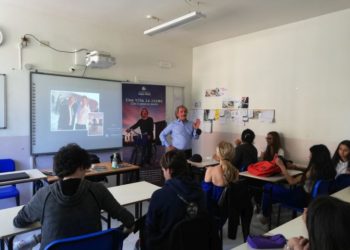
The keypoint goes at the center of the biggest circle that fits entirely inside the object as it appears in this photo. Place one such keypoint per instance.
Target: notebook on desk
(14, 176)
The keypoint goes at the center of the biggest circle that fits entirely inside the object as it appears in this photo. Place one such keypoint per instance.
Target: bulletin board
(2, 101)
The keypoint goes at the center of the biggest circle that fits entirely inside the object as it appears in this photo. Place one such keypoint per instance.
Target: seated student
(246, 152)
(166, 208)
(273, 146)
(219, 176)
(327, 221)
(320, 168)
(341, 158)
(72, 205)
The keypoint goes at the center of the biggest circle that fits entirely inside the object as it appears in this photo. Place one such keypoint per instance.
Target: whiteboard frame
(3, 106)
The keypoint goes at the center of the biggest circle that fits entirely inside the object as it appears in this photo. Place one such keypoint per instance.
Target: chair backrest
(321, 187)
(341, 182)
(106, 240)
(194, 233)
(7, 165)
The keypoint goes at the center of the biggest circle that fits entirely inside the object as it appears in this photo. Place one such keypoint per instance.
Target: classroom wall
(301, 70)
(137, 60)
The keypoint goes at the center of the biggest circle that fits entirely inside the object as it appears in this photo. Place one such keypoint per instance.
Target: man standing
(67, 112)
(146, 126)
(182, 132)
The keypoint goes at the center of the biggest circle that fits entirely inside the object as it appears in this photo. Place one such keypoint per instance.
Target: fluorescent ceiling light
(174, 23)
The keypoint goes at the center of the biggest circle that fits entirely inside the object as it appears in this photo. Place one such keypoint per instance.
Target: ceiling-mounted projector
(99, 59)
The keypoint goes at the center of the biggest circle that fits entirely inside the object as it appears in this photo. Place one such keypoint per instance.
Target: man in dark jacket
(71, 206)
(168, 204)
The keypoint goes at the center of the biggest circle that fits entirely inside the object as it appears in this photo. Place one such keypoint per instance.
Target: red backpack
(264, 168)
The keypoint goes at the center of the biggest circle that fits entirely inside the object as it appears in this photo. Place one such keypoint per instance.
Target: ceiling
(224, 18)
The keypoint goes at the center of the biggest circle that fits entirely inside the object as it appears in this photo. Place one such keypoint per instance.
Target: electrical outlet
(44, 43)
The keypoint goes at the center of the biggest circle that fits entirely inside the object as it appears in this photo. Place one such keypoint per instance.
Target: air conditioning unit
(99, 59)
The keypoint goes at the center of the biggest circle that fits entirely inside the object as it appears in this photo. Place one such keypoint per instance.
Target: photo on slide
(70, 110)
(95, 127)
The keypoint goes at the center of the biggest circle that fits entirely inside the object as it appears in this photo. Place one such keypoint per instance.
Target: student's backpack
(264, 168)
(191, 207)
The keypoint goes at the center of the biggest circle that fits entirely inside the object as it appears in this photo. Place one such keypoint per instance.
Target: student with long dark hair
(327, 221)
(320, 167)
(341, 158)
(245, 153)
(273, 146)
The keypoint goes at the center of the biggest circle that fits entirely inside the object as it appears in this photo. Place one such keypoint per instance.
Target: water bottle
(114, 161)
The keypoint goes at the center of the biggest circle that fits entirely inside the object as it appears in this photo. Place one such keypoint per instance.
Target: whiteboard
(2, 101)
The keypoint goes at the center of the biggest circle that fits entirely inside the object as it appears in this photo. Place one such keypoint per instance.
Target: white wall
(137, 58)
(301, 70)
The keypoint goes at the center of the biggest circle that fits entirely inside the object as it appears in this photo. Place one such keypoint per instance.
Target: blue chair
(8, 165)
(321, 187)
(110, 239)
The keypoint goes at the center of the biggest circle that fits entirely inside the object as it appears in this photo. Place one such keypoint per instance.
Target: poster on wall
(136, 99)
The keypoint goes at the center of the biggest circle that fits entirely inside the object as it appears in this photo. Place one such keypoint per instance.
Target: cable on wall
(47, 45)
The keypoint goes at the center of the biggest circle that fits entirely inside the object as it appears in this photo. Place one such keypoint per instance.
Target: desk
(296, 227)
(257, 182)
(7, 230)
(34, 176)
(198, 168)
(134, 193)
(125, 194)
(203, 164)
(126, 167)
(272, 179)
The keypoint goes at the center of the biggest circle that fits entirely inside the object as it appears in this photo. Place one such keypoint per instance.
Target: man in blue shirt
(182, 132)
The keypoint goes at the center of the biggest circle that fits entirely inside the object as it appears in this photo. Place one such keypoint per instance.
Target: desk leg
(138, 210)
(118, 179)
(109, 221)
(9, 242)
(137, 175)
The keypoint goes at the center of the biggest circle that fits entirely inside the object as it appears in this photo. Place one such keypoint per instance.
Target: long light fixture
(174, 23)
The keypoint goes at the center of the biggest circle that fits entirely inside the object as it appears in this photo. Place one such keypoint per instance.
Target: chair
(239, 208)
(194, 233)
(110, 239)
(8, 165)
(341, 182)
(321, 187)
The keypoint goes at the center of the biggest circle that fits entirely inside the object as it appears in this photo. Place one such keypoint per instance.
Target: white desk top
(34, 174)
(7, 228)
(274, 178)
(203, 164)
(133, 192)
(296, 227)
(125, 195)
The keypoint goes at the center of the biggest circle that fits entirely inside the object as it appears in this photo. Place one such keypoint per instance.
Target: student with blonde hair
(219, 176)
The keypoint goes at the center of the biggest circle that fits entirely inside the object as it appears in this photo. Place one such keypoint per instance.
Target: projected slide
(66, 109)
(71, 110)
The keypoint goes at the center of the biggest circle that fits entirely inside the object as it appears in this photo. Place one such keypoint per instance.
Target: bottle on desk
(115, 161)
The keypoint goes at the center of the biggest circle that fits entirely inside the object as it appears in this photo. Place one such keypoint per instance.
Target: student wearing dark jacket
(71, 206)
(166, 208)
(245, 153)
